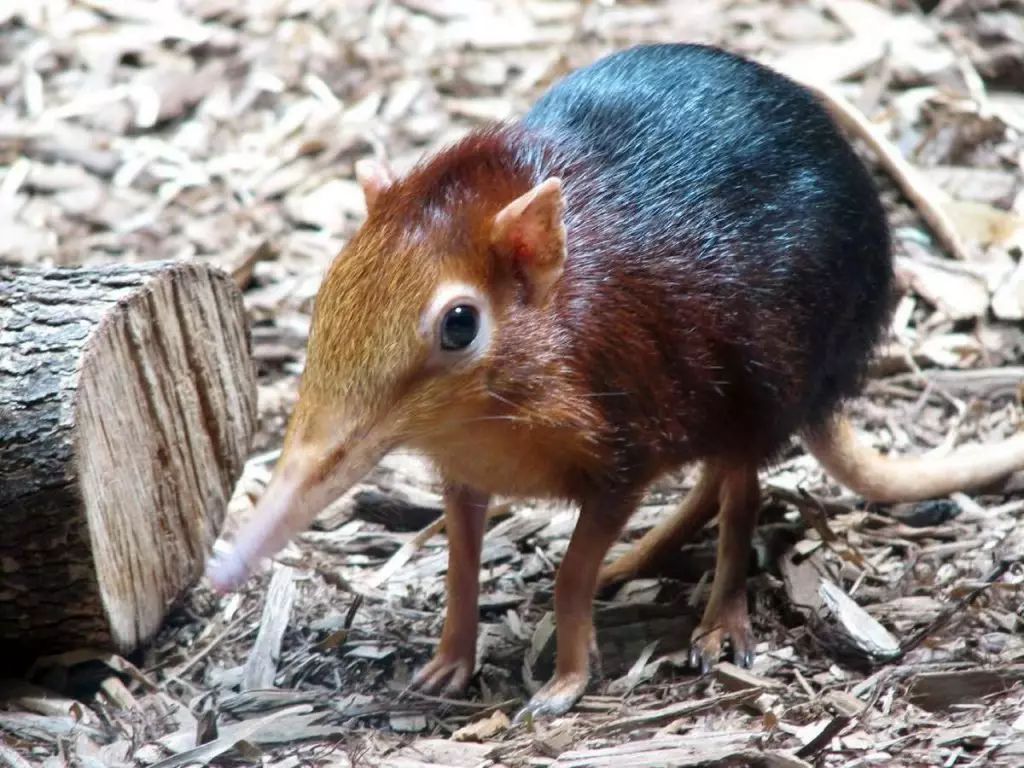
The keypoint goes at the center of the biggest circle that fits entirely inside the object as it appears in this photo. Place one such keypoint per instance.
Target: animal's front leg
(600, 523)
(465, 514)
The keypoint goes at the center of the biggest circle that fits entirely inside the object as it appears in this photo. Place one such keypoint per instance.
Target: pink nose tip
(225, 570)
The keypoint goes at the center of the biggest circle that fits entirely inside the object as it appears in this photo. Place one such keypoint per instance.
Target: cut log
(127, 406)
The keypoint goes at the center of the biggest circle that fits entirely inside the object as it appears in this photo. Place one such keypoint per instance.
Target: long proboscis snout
(304, 482)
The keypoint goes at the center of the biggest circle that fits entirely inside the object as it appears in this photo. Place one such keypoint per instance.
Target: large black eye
(459, 327)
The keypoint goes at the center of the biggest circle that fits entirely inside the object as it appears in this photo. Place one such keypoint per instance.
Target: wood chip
(10, 758)
(261, 666)
(291, 725)
(1008, 300)
(941, 690)
(738, 679)
(872, 637)
(663, 715)
(960, 295)
(700, 749)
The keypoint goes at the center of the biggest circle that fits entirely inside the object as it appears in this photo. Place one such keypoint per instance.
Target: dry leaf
(483, 729)
(985, 224)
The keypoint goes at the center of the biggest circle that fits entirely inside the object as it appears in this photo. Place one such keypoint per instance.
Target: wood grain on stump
(127, 403)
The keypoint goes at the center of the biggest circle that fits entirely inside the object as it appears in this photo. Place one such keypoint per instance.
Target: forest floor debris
(227, 132)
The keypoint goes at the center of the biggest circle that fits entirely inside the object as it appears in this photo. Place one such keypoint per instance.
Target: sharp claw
(696, 661)
(547, 707)
(708, 657)
(703, 654)
(524, 715)
(420, 680)
(556, 698)
(448, 677)
(706, 643)
(528, 715)
(456, 684)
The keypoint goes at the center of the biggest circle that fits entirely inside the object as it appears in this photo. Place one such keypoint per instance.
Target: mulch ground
(227, 132)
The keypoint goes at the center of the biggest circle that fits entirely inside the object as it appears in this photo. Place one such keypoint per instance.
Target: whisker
(502, 399)
(519, 406)
(534, 416)
(449, 426)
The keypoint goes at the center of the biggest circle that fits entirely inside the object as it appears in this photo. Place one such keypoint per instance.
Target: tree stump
(127, 406)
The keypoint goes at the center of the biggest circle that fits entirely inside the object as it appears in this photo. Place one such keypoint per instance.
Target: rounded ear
(375, 178)
(531, 231)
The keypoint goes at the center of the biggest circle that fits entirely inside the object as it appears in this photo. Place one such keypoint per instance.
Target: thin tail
(876, 477)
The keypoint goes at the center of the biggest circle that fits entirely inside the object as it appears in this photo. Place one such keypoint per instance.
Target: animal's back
(726, 248)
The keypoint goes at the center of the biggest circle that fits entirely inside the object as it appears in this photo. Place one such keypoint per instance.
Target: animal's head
(405, 329)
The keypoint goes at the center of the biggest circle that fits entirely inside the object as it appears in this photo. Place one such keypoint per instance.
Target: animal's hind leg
(726, 613)
(695, 511)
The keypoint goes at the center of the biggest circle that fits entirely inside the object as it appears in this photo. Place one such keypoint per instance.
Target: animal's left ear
(375, 178)
(530, 230)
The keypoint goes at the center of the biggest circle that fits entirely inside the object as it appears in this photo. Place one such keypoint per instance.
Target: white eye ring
(449, 319)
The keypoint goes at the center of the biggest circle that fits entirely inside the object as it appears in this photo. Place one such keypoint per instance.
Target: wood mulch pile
(224, 131)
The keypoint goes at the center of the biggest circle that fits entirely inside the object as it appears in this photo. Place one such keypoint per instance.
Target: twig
(811, 695)
(413, 545)
(350, 615)
(404, 554)
(883, 679)
(460, 703)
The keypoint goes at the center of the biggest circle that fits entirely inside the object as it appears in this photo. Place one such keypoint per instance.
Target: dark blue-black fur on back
(723, 192)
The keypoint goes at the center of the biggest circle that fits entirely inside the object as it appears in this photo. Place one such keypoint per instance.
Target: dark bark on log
(127, 403)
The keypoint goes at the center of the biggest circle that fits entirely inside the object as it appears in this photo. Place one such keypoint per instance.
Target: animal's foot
(447, 674)
(557, 697)
(707, 640)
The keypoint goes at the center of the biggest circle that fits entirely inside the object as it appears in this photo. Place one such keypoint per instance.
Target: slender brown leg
(599, 525)
(465, 514)
(695, 511)
(726, 613)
